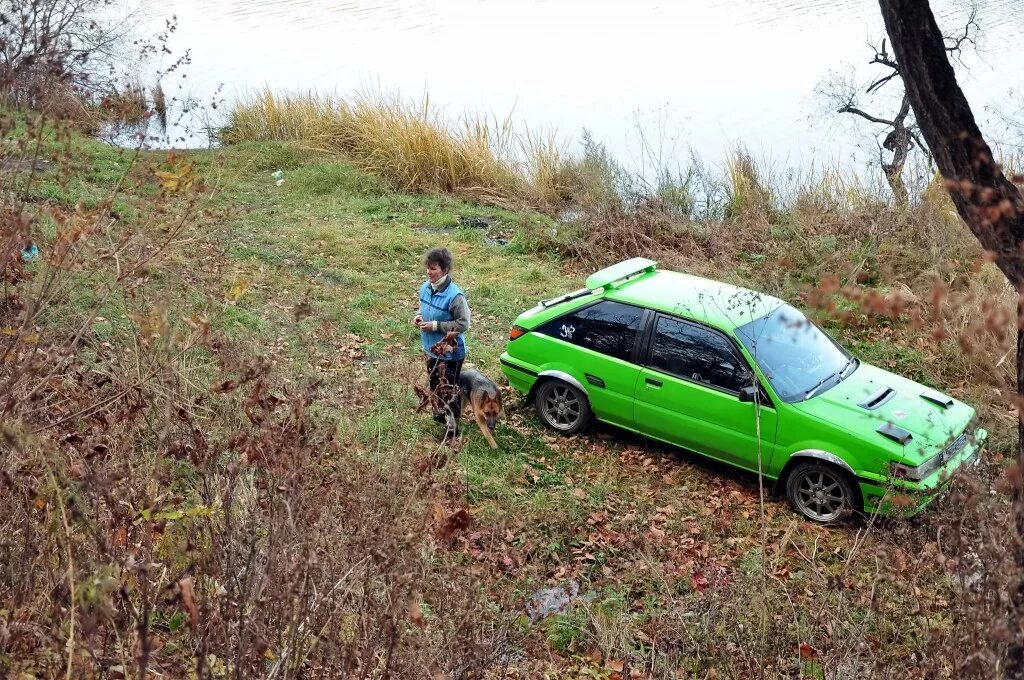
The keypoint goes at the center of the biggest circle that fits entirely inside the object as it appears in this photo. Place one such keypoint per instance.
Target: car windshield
(797, 357)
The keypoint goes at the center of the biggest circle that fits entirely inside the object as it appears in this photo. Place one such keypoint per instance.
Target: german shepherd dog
(481, 392)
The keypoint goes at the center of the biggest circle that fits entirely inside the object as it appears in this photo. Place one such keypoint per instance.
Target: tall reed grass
(411, 144)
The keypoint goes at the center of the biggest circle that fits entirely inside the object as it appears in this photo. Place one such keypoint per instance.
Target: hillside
(230, 454)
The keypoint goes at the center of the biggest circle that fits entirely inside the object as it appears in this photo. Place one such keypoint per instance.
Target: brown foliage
(150, 523)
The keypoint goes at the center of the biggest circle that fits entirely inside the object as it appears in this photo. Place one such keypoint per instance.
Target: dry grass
(320, 532)
(747, 193)
(170, 503)
(413, 146)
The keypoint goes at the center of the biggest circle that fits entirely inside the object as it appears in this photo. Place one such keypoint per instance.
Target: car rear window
(607, 327)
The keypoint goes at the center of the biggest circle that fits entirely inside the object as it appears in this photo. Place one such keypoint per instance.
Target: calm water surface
(703, 75)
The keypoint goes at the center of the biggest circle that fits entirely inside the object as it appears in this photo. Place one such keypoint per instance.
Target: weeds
(212, 464)
(169, 503)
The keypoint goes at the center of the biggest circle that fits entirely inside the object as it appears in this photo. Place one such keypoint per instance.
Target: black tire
(562, 407)
(821, 492)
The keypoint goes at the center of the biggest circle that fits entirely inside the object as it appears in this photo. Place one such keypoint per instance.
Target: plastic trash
(30, 253)
(277, 174)
(279, 182)
(548, 601)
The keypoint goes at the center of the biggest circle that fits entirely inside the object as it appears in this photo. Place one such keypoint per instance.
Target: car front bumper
(905, 498)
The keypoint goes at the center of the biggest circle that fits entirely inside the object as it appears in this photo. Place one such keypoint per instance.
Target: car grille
(955, 447)
(944, 456)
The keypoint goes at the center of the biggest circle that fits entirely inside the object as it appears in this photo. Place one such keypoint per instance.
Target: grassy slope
(650, 533)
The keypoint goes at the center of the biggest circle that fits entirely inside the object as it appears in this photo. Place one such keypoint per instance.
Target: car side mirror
(748, 393)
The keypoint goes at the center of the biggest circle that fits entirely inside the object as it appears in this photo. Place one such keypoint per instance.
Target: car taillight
(516, 332)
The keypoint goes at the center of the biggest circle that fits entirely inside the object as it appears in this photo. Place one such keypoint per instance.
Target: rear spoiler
(565, 298)
(609, 277)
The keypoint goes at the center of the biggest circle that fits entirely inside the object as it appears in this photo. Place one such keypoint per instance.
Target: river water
(703, 75)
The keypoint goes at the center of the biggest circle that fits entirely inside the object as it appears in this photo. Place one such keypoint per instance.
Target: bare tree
(899, 132)
(990, 204)
(1011, 117)
(49, 48)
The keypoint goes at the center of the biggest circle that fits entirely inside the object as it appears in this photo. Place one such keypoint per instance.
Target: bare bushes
(167, 503)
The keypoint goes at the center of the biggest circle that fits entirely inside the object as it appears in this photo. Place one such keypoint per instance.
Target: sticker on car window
(567, 331)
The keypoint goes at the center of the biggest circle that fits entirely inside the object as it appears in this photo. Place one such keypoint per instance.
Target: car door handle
(652, 383)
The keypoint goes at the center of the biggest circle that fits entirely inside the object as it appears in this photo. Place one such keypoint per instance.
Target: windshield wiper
(810, 393)
(841, 373)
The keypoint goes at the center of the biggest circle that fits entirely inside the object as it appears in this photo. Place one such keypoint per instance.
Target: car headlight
(919, 472)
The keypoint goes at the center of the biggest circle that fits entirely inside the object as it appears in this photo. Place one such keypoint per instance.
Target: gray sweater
(459, 310)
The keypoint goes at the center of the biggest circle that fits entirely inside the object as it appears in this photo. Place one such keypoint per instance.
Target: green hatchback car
(743, 378)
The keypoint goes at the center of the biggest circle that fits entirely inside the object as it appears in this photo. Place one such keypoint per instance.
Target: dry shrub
(127, 104)
(155, 519)
(747, 193)
(602, 235)
(973, 541)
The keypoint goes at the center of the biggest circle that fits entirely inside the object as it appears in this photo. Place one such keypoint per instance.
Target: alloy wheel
(820, 495)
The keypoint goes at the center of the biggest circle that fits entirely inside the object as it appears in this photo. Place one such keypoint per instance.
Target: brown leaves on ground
(186, 595)
(808, 652)
(447, 525)
(415, 611)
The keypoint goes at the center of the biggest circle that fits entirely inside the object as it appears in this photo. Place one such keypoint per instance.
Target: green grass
(588, 508)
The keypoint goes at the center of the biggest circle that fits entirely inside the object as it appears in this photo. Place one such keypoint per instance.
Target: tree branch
(863, 114)
(954, 44)
(881, 81)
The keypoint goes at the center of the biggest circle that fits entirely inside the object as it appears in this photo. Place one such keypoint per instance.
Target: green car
(745, 379)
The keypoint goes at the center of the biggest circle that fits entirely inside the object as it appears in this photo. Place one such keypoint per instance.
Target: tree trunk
(898, 141)
(894, 175)
(991, 206)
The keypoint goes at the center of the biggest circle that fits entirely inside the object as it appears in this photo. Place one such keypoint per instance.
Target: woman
(443, 310)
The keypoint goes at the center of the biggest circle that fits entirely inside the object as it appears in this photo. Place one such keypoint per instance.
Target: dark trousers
(443, 378)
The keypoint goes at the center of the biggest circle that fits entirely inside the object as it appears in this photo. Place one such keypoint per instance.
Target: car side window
(607, 327)
(697, 354)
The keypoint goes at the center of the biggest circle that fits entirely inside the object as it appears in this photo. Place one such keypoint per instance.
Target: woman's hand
(426, 325)
(417, 320)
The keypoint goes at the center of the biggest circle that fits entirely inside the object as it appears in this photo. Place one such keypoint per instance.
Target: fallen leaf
(416, 612)
(226, 386)
(455, 522)
(237, 291)
(188, 601)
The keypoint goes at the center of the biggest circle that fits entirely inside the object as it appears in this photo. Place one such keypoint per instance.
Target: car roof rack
(617, 274)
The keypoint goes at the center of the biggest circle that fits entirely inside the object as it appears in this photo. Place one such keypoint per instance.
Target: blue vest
(434, 307)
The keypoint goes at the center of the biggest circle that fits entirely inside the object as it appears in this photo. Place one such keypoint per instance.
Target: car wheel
(562, 407)
(822, 493)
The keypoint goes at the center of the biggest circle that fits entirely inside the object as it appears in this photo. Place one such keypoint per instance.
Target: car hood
(871, 398)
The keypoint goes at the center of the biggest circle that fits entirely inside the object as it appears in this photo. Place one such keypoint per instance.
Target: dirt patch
(24, 165)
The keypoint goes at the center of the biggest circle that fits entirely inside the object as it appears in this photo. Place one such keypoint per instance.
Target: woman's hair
(442, 257)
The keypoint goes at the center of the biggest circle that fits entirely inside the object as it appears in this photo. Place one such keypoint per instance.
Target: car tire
(822, 493)
(562, 407)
